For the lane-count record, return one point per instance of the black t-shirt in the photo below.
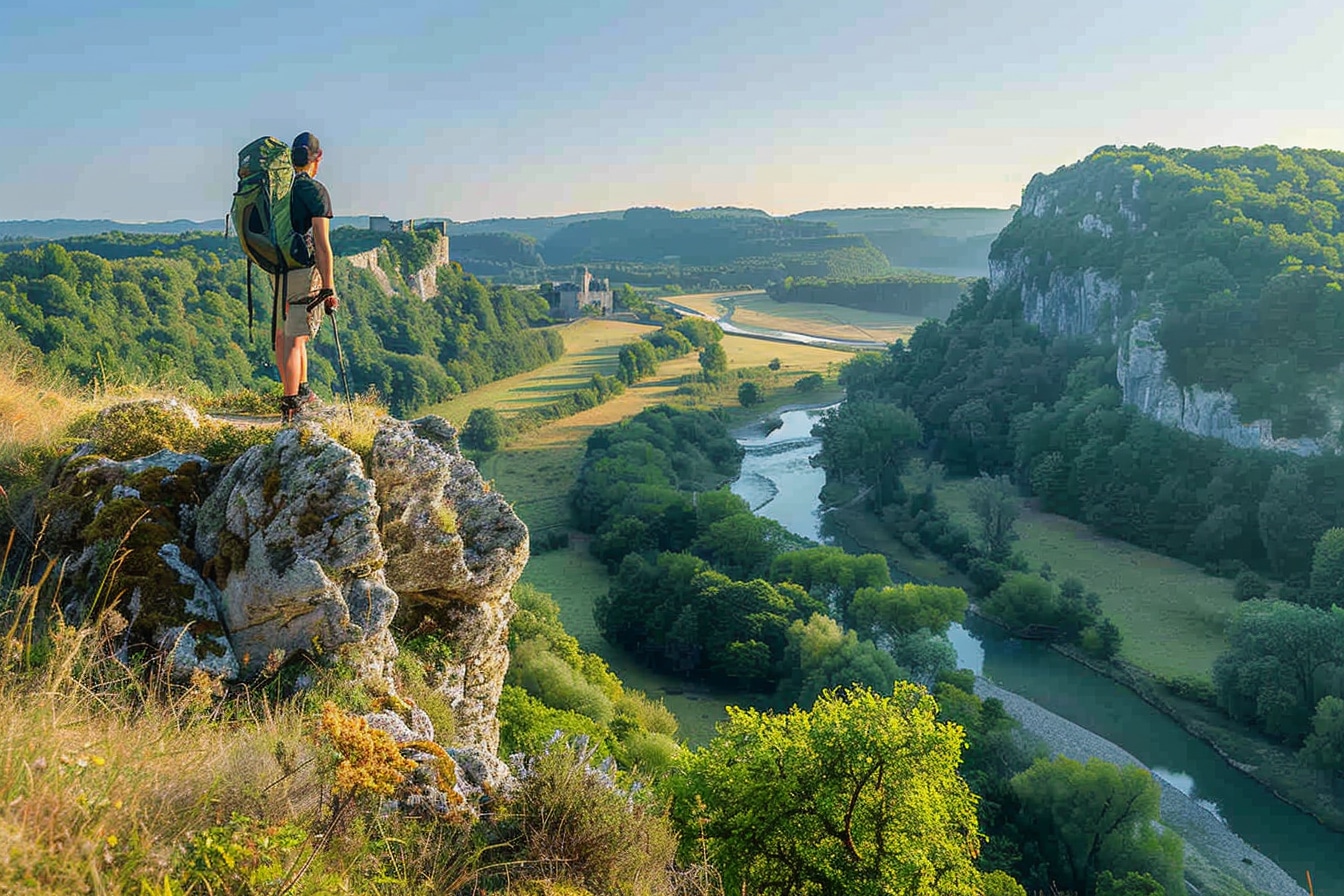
(308, 199)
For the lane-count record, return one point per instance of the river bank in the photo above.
(1210, 845)
(1274, 767)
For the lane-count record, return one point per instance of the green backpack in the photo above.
(260, 214)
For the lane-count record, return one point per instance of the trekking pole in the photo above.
(340, 361)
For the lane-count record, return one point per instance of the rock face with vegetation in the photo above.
(455, 549)
(235, 563)
(1216, 273)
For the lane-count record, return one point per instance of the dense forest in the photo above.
(144, 308)
(1237, 251)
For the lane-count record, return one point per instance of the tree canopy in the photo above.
(859, 795)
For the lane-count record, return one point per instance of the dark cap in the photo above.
(304, 149)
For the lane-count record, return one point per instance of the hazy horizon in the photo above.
(136, 112)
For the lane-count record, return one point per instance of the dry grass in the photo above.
(591, 346)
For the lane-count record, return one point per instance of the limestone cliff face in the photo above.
(294, 549)
(1058, 257)
(1142, 373)
(424, 282)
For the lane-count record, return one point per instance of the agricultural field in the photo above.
(756, 309)
(591, 347)
(1173, 615)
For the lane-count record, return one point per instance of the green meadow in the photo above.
(1172, 614)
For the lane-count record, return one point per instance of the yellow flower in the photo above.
(112, 840)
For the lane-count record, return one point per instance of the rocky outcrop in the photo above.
(1078, 300)
(1077, 303)
(455, 550)
(1141, 370)
(292, 548)
(290, 537)
(423, 283)
(368, 261)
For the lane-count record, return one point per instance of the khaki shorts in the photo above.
(300, 288)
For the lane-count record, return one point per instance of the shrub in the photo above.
(1250, 586)
(575, 824)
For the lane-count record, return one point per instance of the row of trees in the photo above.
(916, 293)
(181, 314)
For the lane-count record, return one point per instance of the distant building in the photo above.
(572, 298)
(382, 224)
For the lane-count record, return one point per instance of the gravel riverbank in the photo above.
(1200, 828)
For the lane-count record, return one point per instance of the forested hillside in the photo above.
(704, 248)
(952, 241)
(1230, 257)
(142, 308)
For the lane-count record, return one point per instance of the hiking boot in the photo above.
(306, 400)
(289, 408)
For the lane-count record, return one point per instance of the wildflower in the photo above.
(370, 760)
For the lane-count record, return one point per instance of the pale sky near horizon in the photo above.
(136, 111)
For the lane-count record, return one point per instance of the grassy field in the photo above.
(591, 347)
(575, 580)
(1172, 614)
(756, 309)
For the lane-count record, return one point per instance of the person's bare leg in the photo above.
(290, 357)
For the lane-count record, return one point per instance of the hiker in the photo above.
(309, 290)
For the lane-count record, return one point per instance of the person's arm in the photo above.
(322, 251)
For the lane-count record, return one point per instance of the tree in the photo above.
(1325, 744)
(484, 430)
(1081, 820)
(1279, 659)
(869, 441)
(1134, 883)
(820, 655)
(905, 608)
(994, 502)
(713, 361)
(859, 795)
(774, 364)
(1327, 569)
(810, 383)
(749, 394)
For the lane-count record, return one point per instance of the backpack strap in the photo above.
(276, 305)
(250, 337)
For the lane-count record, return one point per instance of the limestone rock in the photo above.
(449, 539)
(1141, 370)
(454, 550)
(123, 527)
(290, 536)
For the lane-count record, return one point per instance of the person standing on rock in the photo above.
(309, 290)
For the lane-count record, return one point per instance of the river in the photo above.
(779, 482)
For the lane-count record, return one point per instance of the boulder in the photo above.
(121, 526)
(290, 538)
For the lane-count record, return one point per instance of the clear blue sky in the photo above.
(136, 111)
